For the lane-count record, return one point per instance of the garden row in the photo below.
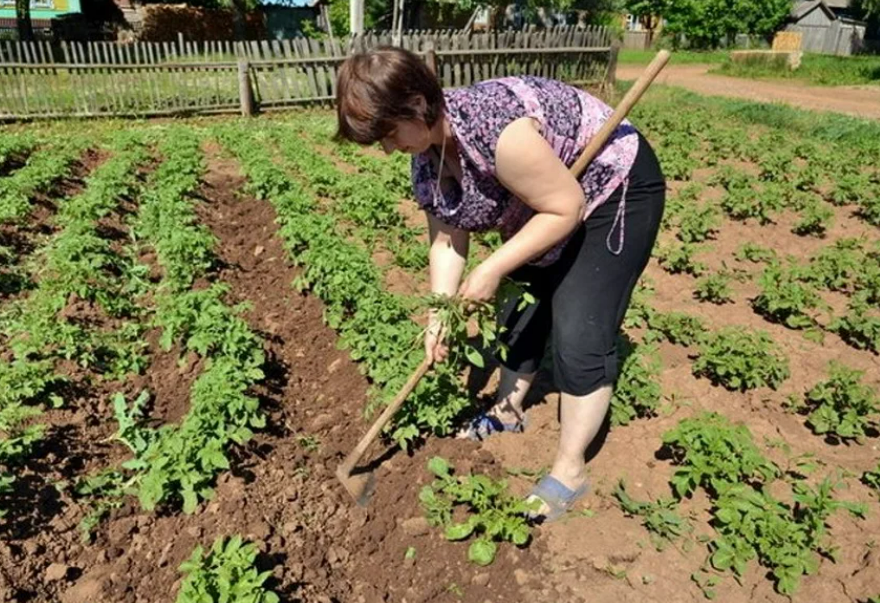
(91, 301)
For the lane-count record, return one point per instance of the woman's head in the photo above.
(388, 95)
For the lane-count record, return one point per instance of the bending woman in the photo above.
(495, 155)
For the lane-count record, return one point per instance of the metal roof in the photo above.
(802, 8)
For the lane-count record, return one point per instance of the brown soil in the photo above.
(41, 524)
(281, 492)
(860, 101)
(600, 554)
(12, 164)
(610, 544)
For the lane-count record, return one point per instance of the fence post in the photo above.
(245, 92)
(431, 57)
(611, 75)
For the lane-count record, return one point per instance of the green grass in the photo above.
(679, 57)
(818, 69)
(137, 92)
(826, 126)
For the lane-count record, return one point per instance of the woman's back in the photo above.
(569, 118)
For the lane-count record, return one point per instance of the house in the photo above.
(42, 13)
(825, 27)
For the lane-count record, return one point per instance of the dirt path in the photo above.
(860, 101)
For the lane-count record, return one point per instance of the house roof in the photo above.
(801, 9)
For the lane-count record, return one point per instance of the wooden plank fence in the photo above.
(41, 79)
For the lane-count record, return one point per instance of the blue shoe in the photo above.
(484, 425)
(557, 496)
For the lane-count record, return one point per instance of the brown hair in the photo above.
(380, 86)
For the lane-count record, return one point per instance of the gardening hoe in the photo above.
(360, 486)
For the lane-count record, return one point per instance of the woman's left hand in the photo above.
(481, 284)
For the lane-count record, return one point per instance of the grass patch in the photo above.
(817, 69)
(825, 126)
(679, 57)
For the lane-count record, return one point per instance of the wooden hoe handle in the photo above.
(620, 113)
(355, 455)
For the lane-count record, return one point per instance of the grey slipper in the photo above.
(557, 496)
(484, 425)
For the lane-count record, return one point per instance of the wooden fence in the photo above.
(637, 40)
(39, 79)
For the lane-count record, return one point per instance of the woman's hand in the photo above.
(481, 284)
(436, 349)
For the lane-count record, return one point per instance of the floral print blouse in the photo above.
(478, 114)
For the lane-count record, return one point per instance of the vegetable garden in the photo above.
(196, 316)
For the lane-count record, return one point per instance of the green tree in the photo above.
(705, 23)
(868, 8)
(377, 15)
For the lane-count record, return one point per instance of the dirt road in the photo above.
(860, 101)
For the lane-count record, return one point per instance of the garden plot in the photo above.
(202, 322)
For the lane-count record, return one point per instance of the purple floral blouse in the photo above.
(478, 114)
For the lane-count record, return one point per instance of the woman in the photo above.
(495, 156)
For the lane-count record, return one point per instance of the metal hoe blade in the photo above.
(360, 485)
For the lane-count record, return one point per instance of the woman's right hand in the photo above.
(436, 349)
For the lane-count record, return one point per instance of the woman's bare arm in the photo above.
(447, 256)
(528, 167)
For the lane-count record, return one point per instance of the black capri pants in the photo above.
(582, 297)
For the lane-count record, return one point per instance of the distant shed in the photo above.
(825, 27)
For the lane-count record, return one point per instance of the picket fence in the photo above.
(84, 79)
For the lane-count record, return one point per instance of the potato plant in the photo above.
(785, 538)
(860, 326)
(816, 219)
(740, 359)
(678, 258)
(226, 573)
(638, 392)
(785, 298)
(44, 167)
(675, 327)
(871, 479)
(493, 514)
(752, 252)
(750, 523)
(711, 453)
(842, 406)
(660, 517)
(714, 288)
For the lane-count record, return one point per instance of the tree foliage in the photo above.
(377, 15)
(869, 9)
(705, 23)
